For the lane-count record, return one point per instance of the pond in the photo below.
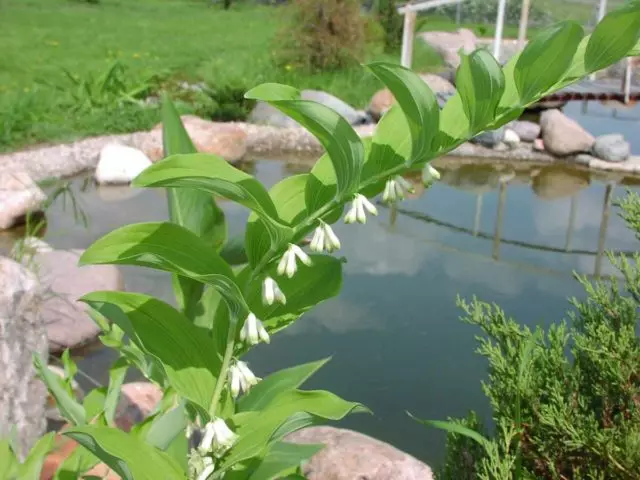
(508, 234)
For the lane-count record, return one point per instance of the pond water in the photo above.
(508, 235)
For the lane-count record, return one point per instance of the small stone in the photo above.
(19, 195)
(511, 138)
(138, 400)
(612, 148)
(227, 140)
(563, 136)
(350, 455)
(120, 164)
(67, 322)
(538, 145)
(490, 138)
(527, 131)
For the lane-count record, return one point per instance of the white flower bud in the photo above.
(217, 438)
(430, 174)
(271, 292)
(252, 331)
(331, 240)
(241, 379)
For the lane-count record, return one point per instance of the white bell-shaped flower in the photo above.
(241, 379)
(395, 189)
(253, 332)
(430, 175)
(217, 438)
(357, 211)
(324, 239)
(271, 292)
(201, 466)
(288, 264)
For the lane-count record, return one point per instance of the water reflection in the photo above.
(510, 234)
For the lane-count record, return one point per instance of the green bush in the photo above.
(391, 21)
(572, 392)
(322, 35)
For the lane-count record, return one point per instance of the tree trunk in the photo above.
(22, 333)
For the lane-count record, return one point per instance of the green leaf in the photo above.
(614, 37)
(288, 198)
(117, 372)
(70, 367)
(32, 466)
(126, 455)
(169, 247)
(454, 125)
(545, 60)
(8, 460)
(391, 143)
(261, 395)
(321, 185)
(456, 428)
(480, 82)
(189, 357)
(69, 408)
(255, 429)
(418, 103)
(195, 210)
(233, 252)
(336, 135)
(310, 286)
(93, 404)
(80, 461)
(282, 459)
(166, 432)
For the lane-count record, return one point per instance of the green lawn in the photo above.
(174, 39)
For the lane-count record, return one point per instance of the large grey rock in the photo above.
(563, 136)
(449, 44)
(526, 130)
(265, 114)
(120, 164)
(22, 333)
(612, 148)
(19, 195)
(350, 455)
(67, 322)
(490, 138)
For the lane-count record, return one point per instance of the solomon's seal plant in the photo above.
(217, 419)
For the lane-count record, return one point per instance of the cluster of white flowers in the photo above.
(253, 331)
(241, 378)
(395, 189)
(288, 263)
(324, 239)
(217, 438)
(357, 211)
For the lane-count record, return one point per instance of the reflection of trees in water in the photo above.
(549, 183)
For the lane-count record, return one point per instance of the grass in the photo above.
(175, 40)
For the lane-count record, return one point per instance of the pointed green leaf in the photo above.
(390, 145)
(169, 247)
(195, 210)
(117, 373)
(545, 60)
(456, 428)
(336, 135)
(69, 408)
(269, 388)
(614, 37)
(233, 252)
(418, 103)
(80, 461)
(8, 460)
(126, 455)
(189, 358)
(282, 459)
(32, 466)
(480, 82)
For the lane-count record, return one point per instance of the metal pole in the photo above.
(497, 235)
(627, 81)
(476, 220)
(572, 222)
(604, 222)
(458, 13)
(407, 38)
(524, 22)
(497, 43)
(602, 9)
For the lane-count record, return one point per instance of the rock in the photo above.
(490, 138)
(383, 99)
(226, 140)
(538, 145)
(448, 44)
(265, 114)
(527, 131)
(119, 164)
(138, 400)
(563, 136)
(22, 334)
(511, 138)
(612, 148)
(349, 455)
(557, 182)
(67, 323)
(19, 195)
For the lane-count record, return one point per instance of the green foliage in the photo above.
(322, 35)
(391, 21)
(193, 352)
(575, 416)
